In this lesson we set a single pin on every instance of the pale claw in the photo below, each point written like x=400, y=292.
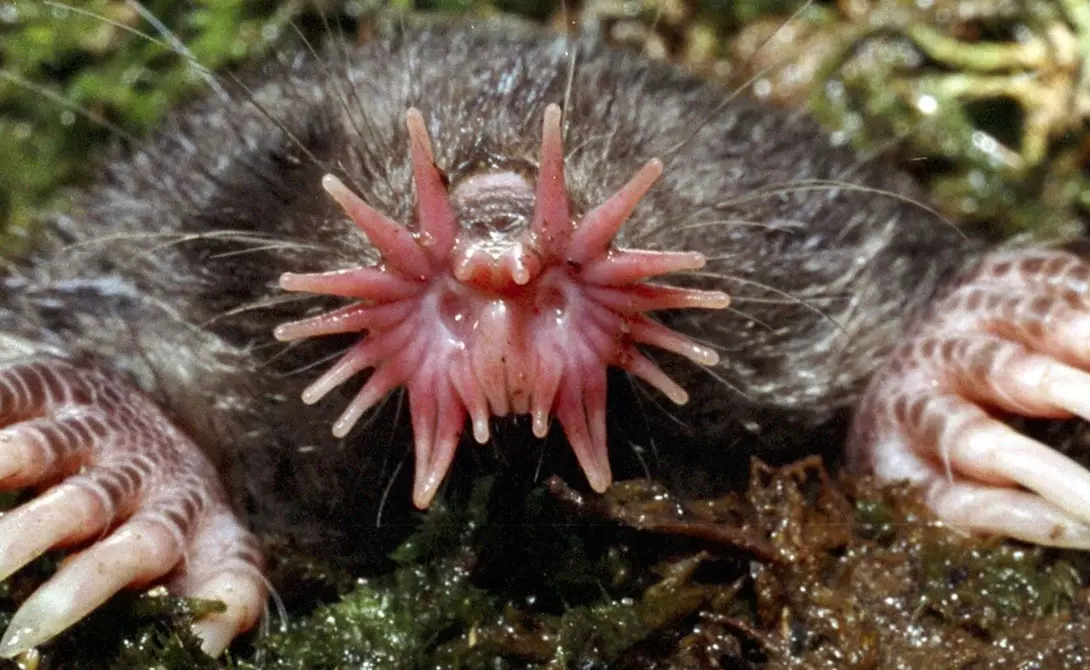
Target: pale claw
x=137, y=552
x=122, y=467
x=223, y=565
x=1010, y=339
x=1011, y=512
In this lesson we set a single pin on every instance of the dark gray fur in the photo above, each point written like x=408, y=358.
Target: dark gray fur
x=167, y=269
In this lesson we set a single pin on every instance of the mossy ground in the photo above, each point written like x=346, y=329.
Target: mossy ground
x=984, y=101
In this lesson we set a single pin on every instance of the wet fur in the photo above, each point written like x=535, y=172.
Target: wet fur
x=167, y=269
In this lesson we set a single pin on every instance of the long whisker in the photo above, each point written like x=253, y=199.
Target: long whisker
x=667, y=228
x=729, y=99
x=311, y=364
x=104, y=19
x=264, y=303
x=69, y=105
x=804, y=185
x=346, y=86
x=782, y=224
x=179, y=47
x=789, y=298
x=773, y=301
x=712, y=371
x=170, y=40
x=749, y=317
x=568, y=87
x=280, y=245
x=173, y=239
x=787, y=188
x=391, y=480
x=299, y=144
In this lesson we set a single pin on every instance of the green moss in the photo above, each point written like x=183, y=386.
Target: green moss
x=386, y=623
x=989, y=122
x=984, y=585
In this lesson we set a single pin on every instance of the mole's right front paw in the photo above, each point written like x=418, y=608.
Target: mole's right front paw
x=118, y=475
x=1009, y=340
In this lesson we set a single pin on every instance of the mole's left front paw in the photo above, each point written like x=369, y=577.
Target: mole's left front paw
x=118, y=478
x=1013, y=338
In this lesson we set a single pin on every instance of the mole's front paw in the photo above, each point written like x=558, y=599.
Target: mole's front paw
x=1013, y=338
x=117, y=475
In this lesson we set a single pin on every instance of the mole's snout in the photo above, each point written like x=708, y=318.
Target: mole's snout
x=479, y=326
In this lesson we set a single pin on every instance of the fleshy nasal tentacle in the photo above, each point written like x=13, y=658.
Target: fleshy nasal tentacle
x=386, y=377
x=552, y=212
x=626, y=266
x=645, y=330
x=364, y=283
x=395, y=243
x=435, y=216
x=378, y=350
x=437, y=418
x=550, y=374
x=473, y=398
x=599, y=226
x=351, y=319
x=656, y=297
x=581, y=411
x=643, y=367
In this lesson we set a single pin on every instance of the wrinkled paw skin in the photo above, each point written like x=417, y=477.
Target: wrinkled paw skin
x=117, y=476
x=1012, y=339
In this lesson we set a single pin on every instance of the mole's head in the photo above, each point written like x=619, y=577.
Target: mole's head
x=502, y=314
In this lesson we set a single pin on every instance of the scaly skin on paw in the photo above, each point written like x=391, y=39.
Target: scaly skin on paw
x=128, y=481
x=484, y=325
x=1012, y=338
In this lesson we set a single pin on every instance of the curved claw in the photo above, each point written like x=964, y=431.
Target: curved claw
x=66, y=514
x=224, y=564
x=1002, y=511
x=137, y=552
x=976, y=507
x=974, y=450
